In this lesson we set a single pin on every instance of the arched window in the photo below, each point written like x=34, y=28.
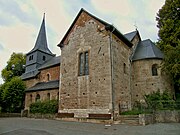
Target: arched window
x=154, y=70
x=38, y=97
x=48, y=96
x=48, y=77
x=44, y=58
x=84, y=63
x=30, y=57
x=31, y=98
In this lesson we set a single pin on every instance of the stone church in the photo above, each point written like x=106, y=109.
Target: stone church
x=100, y=73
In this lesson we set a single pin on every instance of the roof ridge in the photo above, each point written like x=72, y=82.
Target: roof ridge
x=108, y=26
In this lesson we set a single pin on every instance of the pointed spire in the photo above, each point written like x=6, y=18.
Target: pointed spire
x=41, y=41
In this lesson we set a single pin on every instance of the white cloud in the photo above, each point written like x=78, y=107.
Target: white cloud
x=126, y=13
x=113, y=7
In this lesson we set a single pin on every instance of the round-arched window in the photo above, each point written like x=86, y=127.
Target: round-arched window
x=154, y=70
x=38, y=97
x=48, y=96
x=48, y=77
x=31, y=98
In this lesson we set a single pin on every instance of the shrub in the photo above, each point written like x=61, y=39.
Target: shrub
x=45, y=107
x=160, y=101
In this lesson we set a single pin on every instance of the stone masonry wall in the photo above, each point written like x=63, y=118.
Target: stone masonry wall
x=144, y=83
x=135, y=40
x=54, y=73
x=31, y=82
x=121, y=78
x=42, y=77
x=91, y=93
x=31, y=96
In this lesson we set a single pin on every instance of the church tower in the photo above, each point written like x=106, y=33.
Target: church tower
x=38, y=55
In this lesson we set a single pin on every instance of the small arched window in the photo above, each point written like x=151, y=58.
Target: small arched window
x=48, y=96
x=44, y=58
x=38, y=97
x=48, y=77
x=30, y=57
x=31, y=98
x=154, y=70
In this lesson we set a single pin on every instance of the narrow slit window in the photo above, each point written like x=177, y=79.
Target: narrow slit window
x=86, y=63
x=29, y=58
x=58, y=96
x=124, y=68
x=48, y=77
x=81, y=64
x=44, y=58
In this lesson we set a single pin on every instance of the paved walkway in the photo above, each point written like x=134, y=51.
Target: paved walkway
x=25, y=126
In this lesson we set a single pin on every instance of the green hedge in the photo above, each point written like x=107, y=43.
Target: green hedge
x=160, y=101
x=45, y=107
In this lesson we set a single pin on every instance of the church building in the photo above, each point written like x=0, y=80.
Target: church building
x=104, y=72
x=100, y=73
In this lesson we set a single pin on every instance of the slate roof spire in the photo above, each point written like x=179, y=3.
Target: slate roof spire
x=38, y=55
x=41, y=41
x=146, y=49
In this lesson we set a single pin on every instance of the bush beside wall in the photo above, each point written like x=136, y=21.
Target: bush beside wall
x=45, y=107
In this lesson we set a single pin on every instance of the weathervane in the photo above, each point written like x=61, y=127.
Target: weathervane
x=135, y=25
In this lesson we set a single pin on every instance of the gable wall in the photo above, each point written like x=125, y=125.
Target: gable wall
x=83, y=95
x=121, y=78
x=80, y=22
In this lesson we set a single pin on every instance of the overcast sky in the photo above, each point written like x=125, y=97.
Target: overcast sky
x=20, y=20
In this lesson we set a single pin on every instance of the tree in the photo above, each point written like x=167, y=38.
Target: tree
x=12, y=95
x=168, y=22
x=12, y=91
x=15, y=66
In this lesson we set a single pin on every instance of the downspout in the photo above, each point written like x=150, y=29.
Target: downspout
x=130, y=82
x=112, y=74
